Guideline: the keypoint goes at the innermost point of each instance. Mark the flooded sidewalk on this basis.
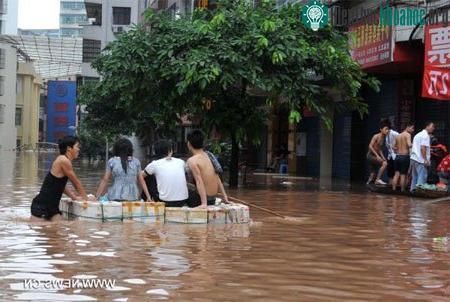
(348, 246)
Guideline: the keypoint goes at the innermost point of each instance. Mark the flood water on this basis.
(347, 247)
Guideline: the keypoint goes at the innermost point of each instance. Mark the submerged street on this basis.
(346, 246)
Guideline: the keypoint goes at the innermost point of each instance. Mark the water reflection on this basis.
(356, 246)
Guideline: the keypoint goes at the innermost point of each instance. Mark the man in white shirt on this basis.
(390, 141)
(420, 156)
(170, 176)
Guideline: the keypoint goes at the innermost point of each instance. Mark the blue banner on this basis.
(61, 109)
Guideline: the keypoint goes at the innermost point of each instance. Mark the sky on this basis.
(38, 14)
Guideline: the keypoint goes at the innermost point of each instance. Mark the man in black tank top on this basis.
(45, 205)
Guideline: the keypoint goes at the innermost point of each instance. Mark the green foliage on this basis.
(92, 142)
(164, 69)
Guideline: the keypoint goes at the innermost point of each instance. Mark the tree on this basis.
(209, 64)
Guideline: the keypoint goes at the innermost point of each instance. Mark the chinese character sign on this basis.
(371, 44)
(436, 76)
(61, 109)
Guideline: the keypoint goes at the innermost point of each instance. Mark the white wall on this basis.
(8, 99)
(11, 17)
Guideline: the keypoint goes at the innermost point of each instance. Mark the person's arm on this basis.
(71, 194)
(423, 150)
(408, 141)
(222, 189)
(103, 184)
(425, 143)
(141, 177)
(195, 170)
(67, 169)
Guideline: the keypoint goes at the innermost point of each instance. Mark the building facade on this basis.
(8, 66)
(9, 10)
(28, 90)
(72, 17)
(106, 20)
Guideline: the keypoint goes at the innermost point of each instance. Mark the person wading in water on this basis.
(45, 205)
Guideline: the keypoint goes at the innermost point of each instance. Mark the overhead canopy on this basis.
(52, 56)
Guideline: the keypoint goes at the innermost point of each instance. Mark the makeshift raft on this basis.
(233, 213)
(419, 192)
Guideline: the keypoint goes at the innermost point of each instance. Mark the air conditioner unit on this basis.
(118, 29)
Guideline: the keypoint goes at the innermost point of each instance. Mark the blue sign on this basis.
(61, 109)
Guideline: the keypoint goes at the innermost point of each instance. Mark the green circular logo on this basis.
(315, 15)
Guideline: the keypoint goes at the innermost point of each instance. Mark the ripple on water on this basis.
(348, 247)
(135, 281)
(39, 296)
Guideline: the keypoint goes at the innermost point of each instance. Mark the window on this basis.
(121, 15)
(2, 58)
(18, 116)
(91, 49)
(94, 13)
(72, 5)
(2, 113)
(162, 4)
(2, 85)
(70, 32)
(73, 19)
(19, 85)
(2, 7)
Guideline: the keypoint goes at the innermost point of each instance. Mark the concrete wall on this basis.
(28, 100)
(8, 99)
(10, 26)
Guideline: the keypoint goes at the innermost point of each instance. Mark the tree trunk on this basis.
(234, 162)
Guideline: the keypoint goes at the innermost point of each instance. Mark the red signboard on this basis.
(371, 43)
(61, 120)
(61, 107)
(436, 75)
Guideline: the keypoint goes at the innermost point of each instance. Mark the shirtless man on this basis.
(375, 157)
(402, 146)
(207, 181)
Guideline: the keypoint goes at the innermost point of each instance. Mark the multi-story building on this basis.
(72, 17)
(28, 90)
(106, 20)
(8, 66)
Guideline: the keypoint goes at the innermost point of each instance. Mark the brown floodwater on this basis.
(347, 247)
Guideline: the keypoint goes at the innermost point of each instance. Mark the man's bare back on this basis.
(202, 162)
(403, 143)
(376, 142)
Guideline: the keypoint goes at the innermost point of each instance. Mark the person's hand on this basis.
(202, 206)
(225, 199)
(79, 198)
(91, 197)
(426, 163)
(379, 158)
